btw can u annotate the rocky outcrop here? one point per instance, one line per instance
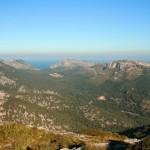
(101, 98)
(68, 63)
(120, 70)
(127, 64)
(5, 80)
(56, 75)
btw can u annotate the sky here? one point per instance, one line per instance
(94, 28)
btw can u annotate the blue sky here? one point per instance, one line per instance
(75, 27)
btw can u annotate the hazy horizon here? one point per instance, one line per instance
(45, 62)
(81, 56)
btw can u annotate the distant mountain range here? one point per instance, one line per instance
(21, 64)
(75, 95)
(70, 64)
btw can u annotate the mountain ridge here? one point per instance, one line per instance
(71, 63)
(120, 64)
(20, 64)
(82, 98)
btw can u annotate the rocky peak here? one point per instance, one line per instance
(126, 64)
(120, 70)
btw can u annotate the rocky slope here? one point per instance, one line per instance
(127, 64)
(24, 137)
(79, 99)
(20, 64)
(17, 136)
(116, 70)
(68, 63)
(120, 70)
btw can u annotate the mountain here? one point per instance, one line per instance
(116, 70)
(80, 98)
(120, 70)
(68, 63)
(20, 64)
(127, 64)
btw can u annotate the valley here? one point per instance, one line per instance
(70, 98)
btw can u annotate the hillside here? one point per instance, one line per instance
(80, 98)
(70, 64)
(20, 64)
(15, 136)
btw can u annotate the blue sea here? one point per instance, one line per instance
(42, 64)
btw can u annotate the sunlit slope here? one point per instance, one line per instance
(81, 98)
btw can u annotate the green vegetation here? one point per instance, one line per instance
(76, 107)
(18, 137)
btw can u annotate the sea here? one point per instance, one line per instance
(42, 64)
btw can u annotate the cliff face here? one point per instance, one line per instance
(120, 70)
(127, 64)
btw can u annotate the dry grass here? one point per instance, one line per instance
(18, 137)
